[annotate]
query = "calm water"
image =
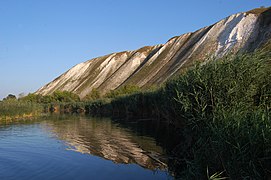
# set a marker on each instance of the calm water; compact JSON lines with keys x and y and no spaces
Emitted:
{"x":79,"y":147}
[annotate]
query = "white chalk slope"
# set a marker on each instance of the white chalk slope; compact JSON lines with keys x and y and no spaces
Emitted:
{"x":152,"y":65}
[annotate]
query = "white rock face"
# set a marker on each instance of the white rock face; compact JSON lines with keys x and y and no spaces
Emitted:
{"x":155,"y":64}
{"x":236,"y":30}
{"x":69,"y":78}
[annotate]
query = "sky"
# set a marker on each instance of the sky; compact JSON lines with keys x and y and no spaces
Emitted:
{"x":40,"y":40}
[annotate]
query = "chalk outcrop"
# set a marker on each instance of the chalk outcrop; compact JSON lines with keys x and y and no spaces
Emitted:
{"x":152,"y":65}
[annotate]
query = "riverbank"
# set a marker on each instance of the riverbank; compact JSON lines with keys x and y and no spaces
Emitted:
{"x":221,"y":110}
{"x":14,"y":110}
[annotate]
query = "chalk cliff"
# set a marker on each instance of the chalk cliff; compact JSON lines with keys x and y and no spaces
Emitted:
{"x":152,"y":65}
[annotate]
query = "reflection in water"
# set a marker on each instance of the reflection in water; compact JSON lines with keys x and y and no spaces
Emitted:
{"x":107,"y":139}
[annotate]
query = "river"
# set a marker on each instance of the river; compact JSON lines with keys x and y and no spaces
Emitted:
{"x":82,"y":147}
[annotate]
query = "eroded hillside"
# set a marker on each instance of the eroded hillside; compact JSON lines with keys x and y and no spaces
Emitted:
{"x":153,"y":65}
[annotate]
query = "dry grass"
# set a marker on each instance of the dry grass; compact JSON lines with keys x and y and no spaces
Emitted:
{"x":258,"y":10}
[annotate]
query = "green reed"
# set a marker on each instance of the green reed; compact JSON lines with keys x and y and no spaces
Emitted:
{"x":15,"y":108}
{"x":222,"y":109}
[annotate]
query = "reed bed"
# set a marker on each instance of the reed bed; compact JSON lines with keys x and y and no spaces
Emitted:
{"x":10,"y":110}
{"x":222,"y":110}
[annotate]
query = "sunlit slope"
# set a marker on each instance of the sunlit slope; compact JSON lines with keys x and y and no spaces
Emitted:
{"x":153,"y":65}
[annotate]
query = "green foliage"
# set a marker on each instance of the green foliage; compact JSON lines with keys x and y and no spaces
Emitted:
{"x":225,"y":84}
{"x":100,"y":107}
{"x":138,"y":105}
{"x":10,"y":97}
{"x":223,"y":109}
{"x":124,"y":90}
{"x":46,"y":99}
{"x":65,"y":96}
{"x":93,"y":95}
{"x":11,"y":109}
{"x":33,"y":98}
{"x":57,"y":96}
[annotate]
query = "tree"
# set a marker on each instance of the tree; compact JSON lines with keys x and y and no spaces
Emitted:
{"x":31,"y":97}
{"x":65,"y":96}
{"x":10,"y":97}
{"x":124,"y":90}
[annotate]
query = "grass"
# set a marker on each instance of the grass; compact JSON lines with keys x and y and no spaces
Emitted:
{"x":258,"y":10}
{"x":222,"y":110}
{"x":10,"y":110}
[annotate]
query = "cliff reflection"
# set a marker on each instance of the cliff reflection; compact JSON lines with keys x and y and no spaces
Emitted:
{"x":106,"y":139}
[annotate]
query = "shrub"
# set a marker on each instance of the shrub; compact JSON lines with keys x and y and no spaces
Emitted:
{"x":93,"y":95}
{"x":124,"y":90}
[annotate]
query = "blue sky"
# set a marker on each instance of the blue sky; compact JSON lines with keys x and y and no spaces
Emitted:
{"x":41,"y":39}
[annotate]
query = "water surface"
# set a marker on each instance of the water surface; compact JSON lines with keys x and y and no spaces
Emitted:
{"x":80,"y":147}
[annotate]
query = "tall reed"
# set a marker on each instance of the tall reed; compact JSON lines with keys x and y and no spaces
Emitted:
{"x":16,"y":109}
{"x":222,"y":109}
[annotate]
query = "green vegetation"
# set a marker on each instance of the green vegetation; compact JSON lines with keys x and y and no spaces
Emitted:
{"x":65,"y":96}
{"x":224,"y":108}
{"x":11,"y":108}
{"x":34,"y":104}
{"x":93,"y":95}
{"x":223,"y":112}
{"x":56,"y":97}
{"x":17,"y":108}
{"x":124,"y":90}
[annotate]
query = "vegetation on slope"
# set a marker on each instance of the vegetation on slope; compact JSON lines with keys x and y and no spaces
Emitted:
{"x":56,"y":97}
{"x":222,"y":110}
{"x":258,"y":10}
